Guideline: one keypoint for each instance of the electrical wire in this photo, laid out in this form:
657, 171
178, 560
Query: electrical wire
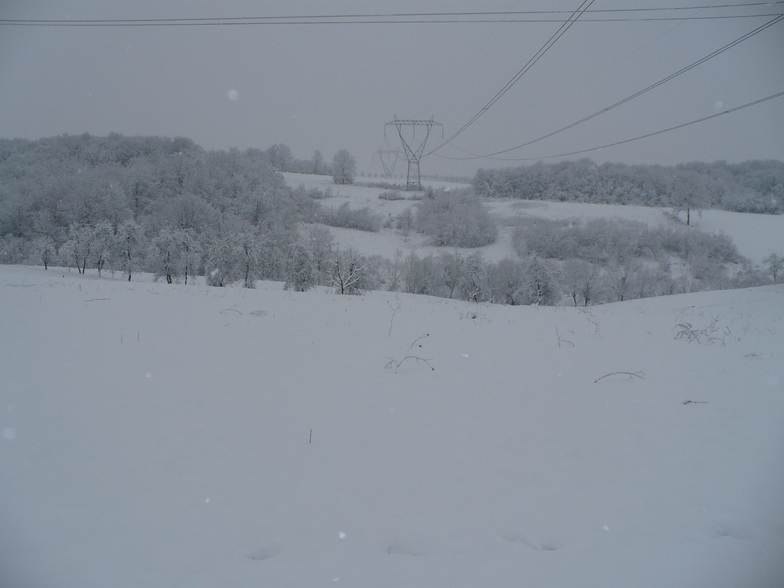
615, 144
400, 18
531, 62
225, 23
633, 96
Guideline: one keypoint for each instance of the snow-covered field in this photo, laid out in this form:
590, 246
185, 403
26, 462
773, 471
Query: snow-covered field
755, 235
157, 435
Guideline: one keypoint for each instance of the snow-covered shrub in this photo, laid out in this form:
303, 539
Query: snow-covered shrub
362, 219
421, 275
507, 282
455, 219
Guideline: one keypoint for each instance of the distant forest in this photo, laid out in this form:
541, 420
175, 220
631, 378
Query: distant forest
169, 207
751, 186
62, 193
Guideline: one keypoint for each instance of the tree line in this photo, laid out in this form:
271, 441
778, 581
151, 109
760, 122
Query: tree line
751, 186
166, 206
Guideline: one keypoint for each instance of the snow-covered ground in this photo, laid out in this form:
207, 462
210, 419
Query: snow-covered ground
157, 435
755, 235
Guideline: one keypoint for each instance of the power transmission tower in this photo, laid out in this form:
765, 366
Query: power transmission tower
389, 167
413, 155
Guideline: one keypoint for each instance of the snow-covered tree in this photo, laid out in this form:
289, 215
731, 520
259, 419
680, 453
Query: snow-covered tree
300, 275
319, 242
128, 245
473, 282
249, 250
173, 254
318, 161
344, 167
420, 276
190, 251
507, 282
164, 256
78, 247
580, 281
775, 265
451, 265
102, 242
540, 285
44, 250
280, 157
349, 272
236, 256
689, 193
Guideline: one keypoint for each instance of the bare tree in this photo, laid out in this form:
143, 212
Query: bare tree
580, 280
620, 276
349, 272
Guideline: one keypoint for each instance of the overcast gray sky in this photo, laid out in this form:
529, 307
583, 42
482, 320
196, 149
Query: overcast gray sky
333, 86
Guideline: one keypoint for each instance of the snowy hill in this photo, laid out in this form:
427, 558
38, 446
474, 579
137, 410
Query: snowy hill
157, 435
755, 235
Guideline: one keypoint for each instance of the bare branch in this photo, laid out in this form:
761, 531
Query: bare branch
394, 311
704, 336
393, 363
416, 342
640, 375
397, 364
560, 340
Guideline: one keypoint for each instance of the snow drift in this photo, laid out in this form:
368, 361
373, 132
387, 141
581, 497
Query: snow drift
171, 435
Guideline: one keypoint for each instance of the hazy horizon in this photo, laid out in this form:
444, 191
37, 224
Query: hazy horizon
333, 86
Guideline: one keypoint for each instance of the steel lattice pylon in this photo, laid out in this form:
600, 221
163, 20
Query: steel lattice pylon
413, 155
389, 168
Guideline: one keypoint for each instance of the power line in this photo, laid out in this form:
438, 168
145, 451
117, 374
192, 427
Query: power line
635, 95
229, 22
667, 130
531, 62
402, 18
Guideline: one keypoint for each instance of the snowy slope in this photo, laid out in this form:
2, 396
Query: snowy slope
158, 435
755, 235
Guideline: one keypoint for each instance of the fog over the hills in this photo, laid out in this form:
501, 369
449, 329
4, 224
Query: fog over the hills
333, 86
